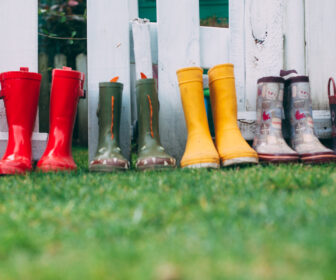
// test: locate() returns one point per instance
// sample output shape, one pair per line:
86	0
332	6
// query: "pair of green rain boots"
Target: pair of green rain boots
151	155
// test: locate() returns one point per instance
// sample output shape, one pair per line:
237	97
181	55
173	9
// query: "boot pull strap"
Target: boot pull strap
331	80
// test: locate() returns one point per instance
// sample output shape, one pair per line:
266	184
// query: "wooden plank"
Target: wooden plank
108	56
19	48
294	40
321	48
214	46
178	43
60	60
237	47
18	41
133	13
263	44
142	48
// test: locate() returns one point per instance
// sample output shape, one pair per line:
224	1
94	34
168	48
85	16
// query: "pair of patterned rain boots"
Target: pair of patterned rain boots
151	154
20	91
289	93
230	148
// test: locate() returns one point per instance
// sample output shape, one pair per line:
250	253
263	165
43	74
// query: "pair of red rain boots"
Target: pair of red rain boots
20	92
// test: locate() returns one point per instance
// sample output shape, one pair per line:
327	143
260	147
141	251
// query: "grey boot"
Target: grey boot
268	141
298	108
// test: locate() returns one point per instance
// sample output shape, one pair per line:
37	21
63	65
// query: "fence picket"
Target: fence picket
263	44
108	56
178	44
237	47
19	48
321	46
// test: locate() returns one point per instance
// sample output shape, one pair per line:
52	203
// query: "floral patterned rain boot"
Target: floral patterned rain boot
298	107
268	141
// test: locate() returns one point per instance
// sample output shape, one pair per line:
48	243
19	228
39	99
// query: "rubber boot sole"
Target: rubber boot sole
155	164
239	161
318	158
277	158
210	165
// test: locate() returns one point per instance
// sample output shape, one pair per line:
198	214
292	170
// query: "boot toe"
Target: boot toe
14	167
155	163
200	161
108	165
54	164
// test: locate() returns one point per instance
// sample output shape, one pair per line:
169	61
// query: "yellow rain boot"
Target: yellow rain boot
231	146
200	150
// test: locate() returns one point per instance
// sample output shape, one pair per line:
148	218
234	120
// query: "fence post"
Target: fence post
81	65
108	56
178	43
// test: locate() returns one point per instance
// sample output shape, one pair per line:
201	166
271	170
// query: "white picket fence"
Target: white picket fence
263	37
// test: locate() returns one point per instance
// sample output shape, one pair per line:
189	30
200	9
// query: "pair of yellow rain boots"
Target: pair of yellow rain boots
200	150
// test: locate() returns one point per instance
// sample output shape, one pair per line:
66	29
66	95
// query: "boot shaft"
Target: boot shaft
191	88
148	112
20	91
223	93
298	107
109	111
66	89
269	109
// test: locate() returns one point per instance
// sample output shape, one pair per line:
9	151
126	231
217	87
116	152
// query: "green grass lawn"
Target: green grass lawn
261	222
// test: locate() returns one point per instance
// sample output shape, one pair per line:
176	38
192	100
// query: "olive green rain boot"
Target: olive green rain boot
108	157
151	155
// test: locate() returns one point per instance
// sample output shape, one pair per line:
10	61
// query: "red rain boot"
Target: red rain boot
67	88
20	92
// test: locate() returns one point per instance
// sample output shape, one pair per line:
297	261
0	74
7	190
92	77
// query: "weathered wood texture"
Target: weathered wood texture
142	48
321	48
264	44
108	56
294	39
237	47
178	45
